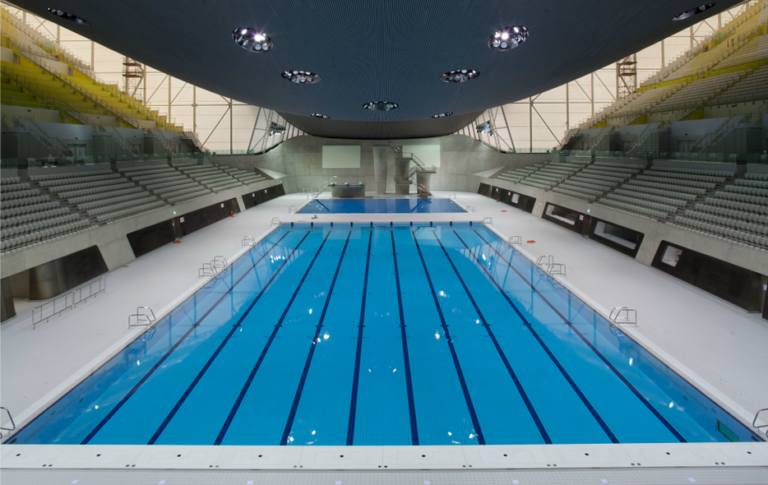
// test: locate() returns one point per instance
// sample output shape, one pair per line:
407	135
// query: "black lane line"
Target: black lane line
208	364
597	352
279	324
303	380
170	351
512	374
406	359
462	381
358	353
552	357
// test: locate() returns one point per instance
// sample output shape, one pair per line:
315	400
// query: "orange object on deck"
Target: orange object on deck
531	241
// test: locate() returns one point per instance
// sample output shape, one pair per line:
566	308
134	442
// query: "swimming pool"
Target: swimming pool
412	334
380	206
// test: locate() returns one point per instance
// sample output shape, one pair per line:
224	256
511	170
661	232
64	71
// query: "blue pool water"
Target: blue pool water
383	335
379	206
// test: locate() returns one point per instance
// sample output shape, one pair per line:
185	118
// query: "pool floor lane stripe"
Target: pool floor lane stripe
449	340
623	379
359	352
208	364
512	374
157	365
279	324
544	346
315	337
406	359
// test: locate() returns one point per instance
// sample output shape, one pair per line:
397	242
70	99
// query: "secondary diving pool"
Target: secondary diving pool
383	335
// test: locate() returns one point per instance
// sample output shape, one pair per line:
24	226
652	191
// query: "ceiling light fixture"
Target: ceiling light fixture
319	115
251	39
508	38
70	17
694	11
485	128
301	77
459	76
443	115
381	106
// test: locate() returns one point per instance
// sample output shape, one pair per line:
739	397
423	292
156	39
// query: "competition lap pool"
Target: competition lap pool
412	334
380	206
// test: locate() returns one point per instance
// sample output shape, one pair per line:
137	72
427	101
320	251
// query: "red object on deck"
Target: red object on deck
531	241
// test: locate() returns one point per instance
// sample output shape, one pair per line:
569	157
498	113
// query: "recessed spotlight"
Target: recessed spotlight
319	115
694	11
251	40
459	76
443	115
381	106
301	77
508	38
70	17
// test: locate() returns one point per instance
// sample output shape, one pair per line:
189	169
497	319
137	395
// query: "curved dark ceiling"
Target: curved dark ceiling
375	50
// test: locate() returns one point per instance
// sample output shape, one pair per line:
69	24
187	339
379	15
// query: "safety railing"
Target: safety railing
515	240
545	260
760	427
556	269
623	316
3	426
68	301
248	241
488	220
143	317
469	208
275	221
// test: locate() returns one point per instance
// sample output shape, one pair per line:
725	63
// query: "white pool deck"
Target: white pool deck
715	345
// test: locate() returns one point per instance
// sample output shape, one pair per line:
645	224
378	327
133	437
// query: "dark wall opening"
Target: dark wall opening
152	237
196	220
262	195
616	237
733	284
7	308
519	201
567	218
60	275
484	189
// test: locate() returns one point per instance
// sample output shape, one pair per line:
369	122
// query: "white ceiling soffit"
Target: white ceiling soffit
368	51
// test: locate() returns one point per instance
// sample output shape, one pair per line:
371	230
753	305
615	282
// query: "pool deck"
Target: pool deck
712	343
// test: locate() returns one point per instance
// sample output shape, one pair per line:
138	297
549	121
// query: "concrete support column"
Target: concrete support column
423	181
380	153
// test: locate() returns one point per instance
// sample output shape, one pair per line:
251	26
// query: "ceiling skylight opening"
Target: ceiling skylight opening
694	11
251	40
508	38
301	77
459	76
443	115
319	115
381	106
70	17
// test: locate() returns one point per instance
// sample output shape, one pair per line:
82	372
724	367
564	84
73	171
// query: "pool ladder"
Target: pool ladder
10	418
759	427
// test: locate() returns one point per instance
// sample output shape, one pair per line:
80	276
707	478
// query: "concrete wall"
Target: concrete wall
655	232
300	160
111	238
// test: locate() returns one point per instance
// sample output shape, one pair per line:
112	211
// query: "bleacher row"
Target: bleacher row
709	202
50	206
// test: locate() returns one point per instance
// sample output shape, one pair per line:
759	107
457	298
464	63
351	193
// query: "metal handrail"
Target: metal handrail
469	208
515	240
208	269
219	262
249	241
275	221
13	424
292	209
761	426
623	315
546	260
141	317
451	196
487	220
67	301
50	142
556	269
